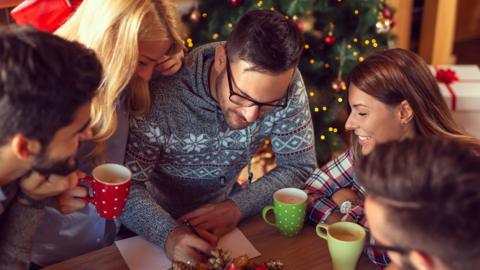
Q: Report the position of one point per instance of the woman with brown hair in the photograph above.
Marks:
(392, 96)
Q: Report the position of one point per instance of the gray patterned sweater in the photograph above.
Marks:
(18, 224)
(183, 154)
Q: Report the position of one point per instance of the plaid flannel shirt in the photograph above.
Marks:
(324, 182)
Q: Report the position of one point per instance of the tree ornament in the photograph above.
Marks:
(308, 23)
(383, 25)
(329, 40)
(300, 25)
(240, 262)
(194, 15)
(236, 3)
(177, 265)
(232, 267)
(261, 267)
(387, 13)
(220, 259)
(275, 264)
(338, 85)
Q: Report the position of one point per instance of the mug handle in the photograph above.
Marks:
(87, 182)
(320, 232)
(264, 214)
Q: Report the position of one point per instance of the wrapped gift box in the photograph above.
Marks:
(462, 95)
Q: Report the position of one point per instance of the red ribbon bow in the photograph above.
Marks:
(446, 76)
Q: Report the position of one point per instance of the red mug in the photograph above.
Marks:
(109, 187)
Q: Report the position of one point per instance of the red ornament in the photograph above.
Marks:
(261, 267)
(394, 22)
(387, 13)
(446, 76)
(236, 3)
(329, 40)
(338, 85)
(300, 25)
(232, 267)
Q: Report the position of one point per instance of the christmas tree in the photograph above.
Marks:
(338, 35)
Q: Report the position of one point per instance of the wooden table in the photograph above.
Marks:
(305, 252)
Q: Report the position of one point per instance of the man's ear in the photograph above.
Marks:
(23, 148)
(422, 261)
(405, 112)
(220, 59)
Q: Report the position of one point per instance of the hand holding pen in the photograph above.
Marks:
(205, 235)
(190, 227)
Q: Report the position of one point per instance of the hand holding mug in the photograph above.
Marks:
(40, 187)
(72, 200)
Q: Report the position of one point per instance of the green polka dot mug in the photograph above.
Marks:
(288, 208)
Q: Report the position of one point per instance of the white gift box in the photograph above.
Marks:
(463, 96)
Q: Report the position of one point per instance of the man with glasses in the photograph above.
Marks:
(423, 203)
(204, 127)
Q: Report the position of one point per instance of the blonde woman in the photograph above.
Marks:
(132, 38)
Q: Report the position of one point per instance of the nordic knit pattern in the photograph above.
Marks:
(183, 154)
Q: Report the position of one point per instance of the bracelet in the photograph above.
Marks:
(26, 200)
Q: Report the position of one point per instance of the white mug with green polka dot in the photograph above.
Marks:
(288, 207)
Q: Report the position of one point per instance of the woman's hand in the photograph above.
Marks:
(169, 65)
(344, 194)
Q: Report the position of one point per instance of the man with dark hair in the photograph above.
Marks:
(46, 86)
(203, 128)
(423, 203)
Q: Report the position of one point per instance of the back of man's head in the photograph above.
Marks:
(44, 79)
(266, 39)
(430, 191)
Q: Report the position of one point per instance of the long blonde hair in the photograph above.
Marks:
(113, 29)
(396, 75)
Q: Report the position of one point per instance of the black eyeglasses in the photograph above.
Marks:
(368, 244)
(249, 102)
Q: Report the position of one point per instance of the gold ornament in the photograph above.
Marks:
(221, 260)
(275, 264)
(194, 15)
(338, 85)
(308, 23)
(176, 265)
(383, 25)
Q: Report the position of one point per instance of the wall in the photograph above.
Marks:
(468, 20)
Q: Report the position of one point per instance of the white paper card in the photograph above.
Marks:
(140, 254)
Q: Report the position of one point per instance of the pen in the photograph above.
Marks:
(190, 227)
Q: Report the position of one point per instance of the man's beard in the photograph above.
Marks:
(62, 167)
(228, 114)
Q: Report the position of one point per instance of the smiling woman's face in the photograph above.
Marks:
(372, 121)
